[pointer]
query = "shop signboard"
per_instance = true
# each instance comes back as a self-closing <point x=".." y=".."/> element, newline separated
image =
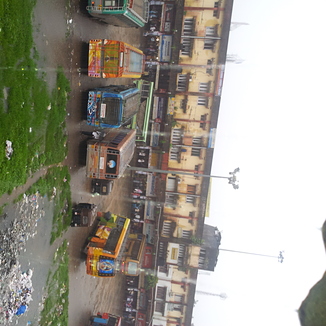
<point x="148" y="257"/>
<point x="155" y="134"/>
<point x="149" y="232"/>
<point x="166" y="48"/>
<point x="149" y="210"/>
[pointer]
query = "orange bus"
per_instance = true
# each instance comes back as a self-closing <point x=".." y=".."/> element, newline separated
<point x="113" y="59"/>
<point x="106" y="246"/>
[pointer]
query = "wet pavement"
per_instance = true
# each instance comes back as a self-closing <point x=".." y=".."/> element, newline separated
<point x="62" y="30"/>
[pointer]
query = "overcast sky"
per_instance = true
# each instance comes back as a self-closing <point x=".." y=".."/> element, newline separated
<point x="271" y="125"/>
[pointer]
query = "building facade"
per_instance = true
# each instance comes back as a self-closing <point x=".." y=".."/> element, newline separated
<point x="186" y="56"/>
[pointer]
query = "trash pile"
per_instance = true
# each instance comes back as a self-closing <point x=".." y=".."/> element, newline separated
<point x="16" y="295"/>
<point x="16" y="285"/>
<point x="9" y="149"/>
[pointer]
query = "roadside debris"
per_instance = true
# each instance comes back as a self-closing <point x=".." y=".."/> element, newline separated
<point x="9" y="149"/>
<point x="16" y="285"/>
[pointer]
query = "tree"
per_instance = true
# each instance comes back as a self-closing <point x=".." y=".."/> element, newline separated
<point x="150" y="281"/>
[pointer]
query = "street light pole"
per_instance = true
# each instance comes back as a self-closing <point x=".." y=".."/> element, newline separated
<point x="280" y="257"/>
<point x="232" y="175"/>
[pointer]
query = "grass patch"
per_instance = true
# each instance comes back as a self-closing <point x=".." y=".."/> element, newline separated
<point x="56" y="185"/>
<point x="2" y="208"/>
<point x="31" y="116"/>
<point x="55" y="309"/>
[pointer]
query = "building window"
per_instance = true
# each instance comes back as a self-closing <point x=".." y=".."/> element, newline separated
<point x="202" y="100"/>
<point x="174" y="153"/>
<point x="186" y="46"/>
<point x="202" y="258"/>
<point x="171" y="184"/>
<point x="192" y="214"/>
<point x="186" y="234"/>
<point x="166" y="229"/>
<point x="196" y="141"/>
<point x="204" y="87"/>
<point x="161" y="292"/>
<point x="176" y="137"/>
<point x="191" y="189"/>
<point x="216" y="12"/>
<point x="211" y="34"/>
<point x="163" y="269"/>
<point x="189" y="25"/>
<point x="181" y="254"/>
<point x="209" y="44"/>
<point x="159" y="307"/>
<point x="170" y="199"/>
<point x="190" y="199"/>
<point x="202" y="124"/>
<point x="178" y="298"/>
<point x="195" y="152"/>
<point x="210" y="31"/>
<point x="182" y="83"/>
<point x="209" y="69"/>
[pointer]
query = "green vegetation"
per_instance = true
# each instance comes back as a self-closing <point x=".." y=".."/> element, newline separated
<point x="56" y="184"/>
<point x="55" y="309"/>
<point x="196" y="241"/>
<point x="312" y="311"/>
<point x="31" y="116"/>
<point x="150" y="281"/>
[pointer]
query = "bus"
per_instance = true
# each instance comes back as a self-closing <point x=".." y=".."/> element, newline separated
<point x="123" y="13"/>
<point x="108" y="158"/>
<point x="106" y="246"/>
<point x="115" y="105"/>
<point x="133" y="255"/>
<point x="114" y="59"/>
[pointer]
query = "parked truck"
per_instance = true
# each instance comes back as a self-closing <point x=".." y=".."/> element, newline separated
<point x="122" y="13"/>
<point x="108" y="158"/>
<point x="106" y="246"/>
<point x="112" y="106"/>
<point x="115" y="105"/>
<point x="105" y="319"/>
<point x="101" y="187"/>
<point x="83" y="214"/>
<point x="114" y="59"/>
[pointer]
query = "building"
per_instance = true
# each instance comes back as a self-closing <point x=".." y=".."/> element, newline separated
<point x="186" y="56"/>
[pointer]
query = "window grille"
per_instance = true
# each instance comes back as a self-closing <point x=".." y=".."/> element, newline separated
<point x="202" y="100"/>
<point x="182" y="251"/>
<point x="204" y="87"/>
<point x="196" y="141"/>
<point x="166" y="229"/>
<point x="195" y="152"/>
<point x="186" y="234"/>
<point x="186" y="46"/>
<point x="190" y="199"/>
<point x="176" y="136"/>
<point x="202" y="124"/>
<point x="188" y="26"/>
<point x="182" y="83"/>
<point x="191" y="189"/>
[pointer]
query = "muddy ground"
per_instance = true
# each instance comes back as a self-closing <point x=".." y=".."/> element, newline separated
<point x="62" y="30"/>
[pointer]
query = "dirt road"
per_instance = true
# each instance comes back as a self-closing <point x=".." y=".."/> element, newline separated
<point x="62" y="30"/>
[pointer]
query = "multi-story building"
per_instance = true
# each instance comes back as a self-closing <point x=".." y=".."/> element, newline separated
<point x="191" y="38"/>
<point x="188" y="93"/>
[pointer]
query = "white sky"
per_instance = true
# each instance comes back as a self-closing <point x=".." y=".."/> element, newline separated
<point x="271" y="125"/>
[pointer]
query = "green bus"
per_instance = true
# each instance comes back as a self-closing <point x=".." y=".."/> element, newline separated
<point x="124" y="13"/>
